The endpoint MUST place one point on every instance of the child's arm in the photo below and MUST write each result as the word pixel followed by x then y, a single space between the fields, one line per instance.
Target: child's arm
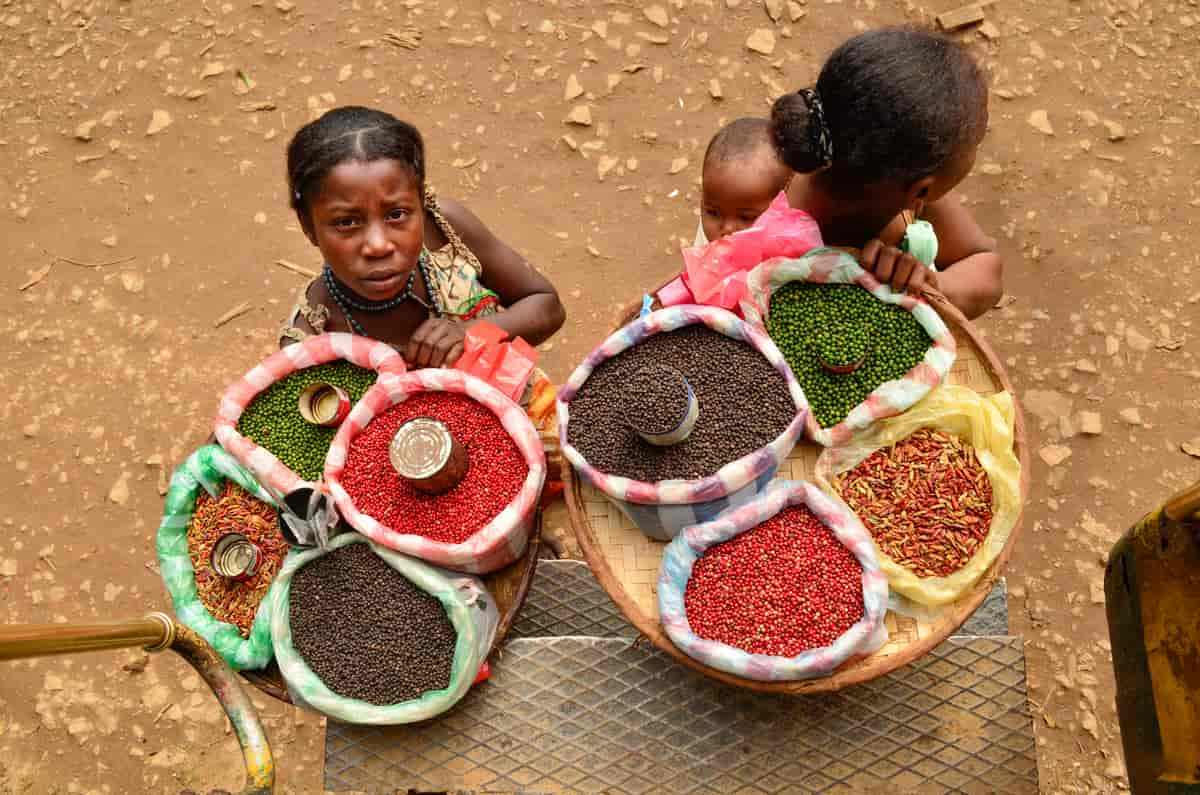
pixel 533 309
pixel 969 265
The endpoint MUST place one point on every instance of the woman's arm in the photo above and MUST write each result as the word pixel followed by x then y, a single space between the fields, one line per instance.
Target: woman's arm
pixel 970 268
pixel 533 309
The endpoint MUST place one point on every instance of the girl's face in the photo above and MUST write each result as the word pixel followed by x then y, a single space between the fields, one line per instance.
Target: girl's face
pixel 369 222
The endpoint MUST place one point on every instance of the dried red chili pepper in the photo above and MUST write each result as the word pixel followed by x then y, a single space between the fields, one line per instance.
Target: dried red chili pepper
pixel 926 500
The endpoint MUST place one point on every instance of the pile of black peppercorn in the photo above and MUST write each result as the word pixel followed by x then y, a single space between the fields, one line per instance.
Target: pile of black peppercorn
pixel 366 631
pixel 656 399
pixel 744 405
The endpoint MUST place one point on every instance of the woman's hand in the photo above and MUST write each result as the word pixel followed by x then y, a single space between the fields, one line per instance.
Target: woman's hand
pixel 438 342
pixel 898 269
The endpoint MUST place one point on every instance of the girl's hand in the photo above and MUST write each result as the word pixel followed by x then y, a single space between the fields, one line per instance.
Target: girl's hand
pixel 898 269
pixel 438 342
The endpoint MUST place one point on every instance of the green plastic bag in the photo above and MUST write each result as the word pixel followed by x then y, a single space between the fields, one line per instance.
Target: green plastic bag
pixel 208 468
pixel 469 606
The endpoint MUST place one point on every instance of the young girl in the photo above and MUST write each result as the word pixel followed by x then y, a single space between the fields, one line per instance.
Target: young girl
pixel 891 127
pixel 401 265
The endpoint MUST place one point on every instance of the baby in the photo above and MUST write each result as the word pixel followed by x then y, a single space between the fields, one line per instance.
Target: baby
pixel 743 173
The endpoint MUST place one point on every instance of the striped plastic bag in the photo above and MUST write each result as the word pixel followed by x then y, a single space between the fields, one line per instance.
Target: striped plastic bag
pixel 269 470
pixel 864 638
pixel 498 543
pixel 471 610
pixel 208 468
pixel 664 508
pixel 830 266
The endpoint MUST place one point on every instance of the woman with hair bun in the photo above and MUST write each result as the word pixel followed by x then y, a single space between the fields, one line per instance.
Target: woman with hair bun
pixel 892 125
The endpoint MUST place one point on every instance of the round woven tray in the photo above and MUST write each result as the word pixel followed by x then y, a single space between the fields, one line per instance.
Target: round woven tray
pixel 508 586
pixel 626 562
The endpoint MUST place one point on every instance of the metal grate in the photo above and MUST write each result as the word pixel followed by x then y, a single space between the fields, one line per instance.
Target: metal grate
pixel 565 599
pixel 591 715
pixel 991 617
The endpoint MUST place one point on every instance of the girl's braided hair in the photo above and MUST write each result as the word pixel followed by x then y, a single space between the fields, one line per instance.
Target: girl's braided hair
pixel 349 133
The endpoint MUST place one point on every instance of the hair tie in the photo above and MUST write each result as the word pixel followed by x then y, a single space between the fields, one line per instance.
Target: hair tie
pixel 818 130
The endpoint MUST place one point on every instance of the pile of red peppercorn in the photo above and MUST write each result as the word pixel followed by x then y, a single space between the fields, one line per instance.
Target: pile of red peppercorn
pixel 781 588
pixel 495 473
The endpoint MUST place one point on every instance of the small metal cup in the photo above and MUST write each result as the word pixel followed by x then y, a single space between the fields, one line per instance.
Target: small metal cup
pixel 235 557
pixel 324 404
pixel 427 455
pixel 683 427
pixel 841 368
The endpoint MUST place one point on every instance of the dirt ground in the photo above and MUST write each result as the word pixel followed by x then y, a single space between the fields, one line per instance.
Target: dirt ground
pixel 141 181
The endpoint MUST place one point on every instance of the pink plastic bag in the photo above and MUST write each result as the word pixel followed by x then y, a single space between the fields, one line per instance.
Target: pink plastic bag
pixel 676 292
pixel 513 372
pixel 715 274
pixel 505 365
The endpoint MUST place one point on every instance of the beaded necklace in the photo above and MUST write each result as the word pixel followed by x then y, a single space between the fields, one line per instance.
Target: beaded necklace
pixel 345 302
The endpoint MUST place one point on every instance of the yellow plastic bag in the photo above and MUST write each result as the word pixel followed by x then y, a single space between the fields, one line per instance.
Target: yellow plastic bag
pixel 987 424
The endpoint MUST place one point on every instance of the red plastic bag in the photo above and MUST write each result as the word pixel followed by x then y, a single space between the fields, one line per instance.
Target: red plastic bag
pixel 479 336
pixel 505 365
pixel 485 673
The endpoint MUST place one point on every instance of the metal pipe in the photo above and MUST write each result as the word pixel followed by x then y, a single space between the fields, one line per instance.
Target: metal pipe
pixel 1184 504
pixel 156 632
pixel 256 751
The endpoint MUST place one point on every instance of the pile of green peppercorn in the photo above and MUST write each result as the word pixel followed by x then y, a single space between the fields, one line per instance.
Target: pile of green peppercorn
pixel 821 328
pixel 273 421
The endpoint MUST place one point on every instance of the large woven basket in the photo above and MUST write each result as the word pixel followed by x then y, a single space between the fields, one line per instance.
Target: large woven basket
pixel 626 562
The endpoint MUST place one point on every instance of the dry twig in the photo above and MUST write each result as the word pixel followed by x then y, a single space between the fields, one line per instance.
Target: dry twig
pixel 294 268
pixel 237 311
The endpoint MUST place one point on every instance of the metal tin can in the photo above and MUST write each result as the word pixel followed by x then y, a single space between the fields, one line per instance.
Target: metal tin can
pixel 829 344
pixel 676 430
pixel 235 557
pixel 324 404
pixel 842 369
pixel 427 455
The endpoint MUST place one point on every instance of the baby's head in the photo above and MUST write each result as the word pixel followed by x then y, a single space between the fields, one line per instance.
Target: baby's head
pixel 894 120
pixel 742 174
